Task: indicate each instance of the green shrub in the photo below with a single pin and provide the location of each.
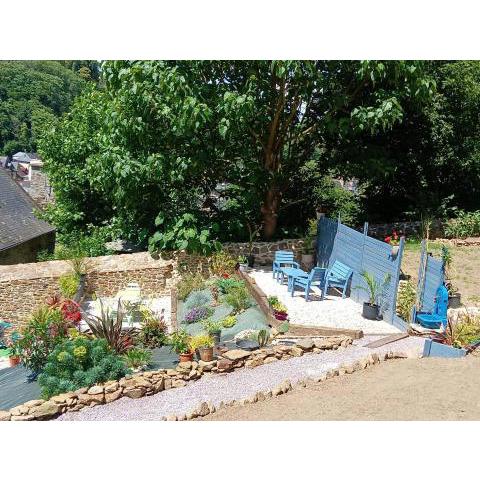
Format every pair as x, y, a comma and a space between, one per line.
80, 362
226, 284
68, 285
466, 224
238, 298
189, 283
406, 298
198, 298
153, 330
222, 263
229, 322
45, 329
137, 357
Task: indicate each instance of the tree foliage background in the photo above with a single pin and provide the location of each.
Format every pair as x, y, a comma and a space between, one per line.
181, 154
33, 94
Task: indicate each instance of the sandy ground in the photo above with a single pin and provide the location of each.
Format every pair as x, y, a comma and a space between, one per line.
466, 263
332, 312
425, 389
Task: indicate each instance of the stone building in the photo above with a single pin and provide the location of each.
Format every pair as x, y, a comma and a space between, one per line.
22, 234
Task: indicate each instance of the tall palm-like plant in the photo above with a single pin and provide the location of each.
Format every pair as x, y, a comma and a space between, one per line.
108, 325
373, 287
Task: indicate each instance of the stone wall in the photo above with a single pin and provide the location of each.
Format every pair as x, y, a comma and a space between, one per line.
25, 287
408, 229
265, 251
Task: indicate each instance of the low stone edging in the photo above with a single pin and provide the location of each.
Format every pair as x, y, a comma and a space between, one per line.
207, 408
152, 382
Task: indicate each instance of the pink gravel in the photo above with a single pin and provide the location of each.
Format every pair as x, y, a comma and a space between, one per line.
237, 385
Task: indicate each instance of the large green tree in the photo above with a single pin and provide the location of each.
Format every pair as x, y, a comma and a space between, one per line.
172, 150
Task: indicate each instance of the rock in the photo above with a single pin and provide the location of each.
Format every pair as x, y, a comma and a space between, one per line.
278, 390
112, 396
193, 375
181, 418
91, 400
301, 384
182, 366
81, 391
207, 366
224, 365
134, 392
46, 410
111, 387
190, 416
202, 410
5, 416
63, 398
296, 352
305, 344
36, 403
261, 397
253, 398
171, 418
286, 386
254, 362
95, 390
167, 383
270, 360
159, 385
236, 355
22, 418
332, 373
171, 372
211, 407
316, 350
19, 410
178, 383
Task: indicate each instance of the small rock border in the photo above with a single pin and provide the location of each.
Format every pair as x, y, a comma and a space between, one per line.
152, 382
207, 408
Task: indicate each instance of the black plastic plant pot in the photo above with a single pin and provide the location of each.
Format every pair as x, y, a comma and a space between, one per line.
216, 337
454, 300
251, 260
370, 311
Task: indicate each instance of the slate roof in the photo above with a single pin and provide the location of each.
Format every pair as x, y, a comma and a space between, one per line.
18, 224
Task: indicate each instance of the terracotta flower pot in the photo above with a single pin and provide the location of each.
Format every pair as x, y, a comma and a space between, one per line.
13, 361
185, 357
206, 354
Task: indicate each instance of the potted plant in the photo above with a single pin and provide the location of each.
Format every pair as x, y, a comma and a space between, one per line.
308, 245
252, 234
454, 296
242, 263
213, 328
203, 345
14, 357
394, 241
279, 309
179, 342
374, 289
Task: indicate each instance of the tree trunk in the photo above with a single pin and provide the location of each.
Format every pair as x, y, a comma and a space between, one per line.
270, 212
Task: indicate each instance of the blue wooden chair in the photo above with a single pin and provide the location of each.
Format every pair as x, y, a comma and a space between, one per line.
315, 278
282, 259
438, 316
337, 276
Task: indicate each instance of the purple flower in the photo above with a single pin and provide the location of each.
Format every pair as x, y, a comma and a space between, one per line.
196, 314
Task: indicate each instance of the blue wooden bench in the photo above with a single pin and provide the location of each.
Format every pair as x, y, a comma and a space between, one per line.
437, 317
337, 276
283, 258
315, 278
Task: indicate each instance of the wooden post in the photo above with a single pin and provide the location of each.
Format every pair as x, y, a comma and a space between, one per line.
396, 279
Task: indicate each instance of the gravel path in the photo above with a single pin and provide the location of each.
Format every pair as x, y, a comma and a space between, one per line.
237, 385
332, 312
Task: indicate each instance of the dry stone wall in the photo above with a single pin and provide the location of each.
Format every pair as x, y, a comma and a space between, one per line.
265, 251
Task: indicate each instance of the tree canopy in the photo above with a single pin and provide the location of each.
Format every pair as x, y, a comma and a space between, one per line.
33, 94
184, 153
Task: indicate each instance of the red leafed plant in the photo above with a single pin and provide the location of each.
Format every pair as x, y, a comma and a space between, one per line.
71, 311
393, 239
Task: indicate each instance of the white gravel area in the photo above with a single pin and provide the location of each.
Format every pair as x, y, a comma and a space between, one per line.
332, 312
4, 363
237, 385
156, 304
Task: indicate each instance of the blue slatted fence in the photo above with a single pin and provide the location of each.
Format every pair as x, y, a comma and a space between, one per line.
360, 252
